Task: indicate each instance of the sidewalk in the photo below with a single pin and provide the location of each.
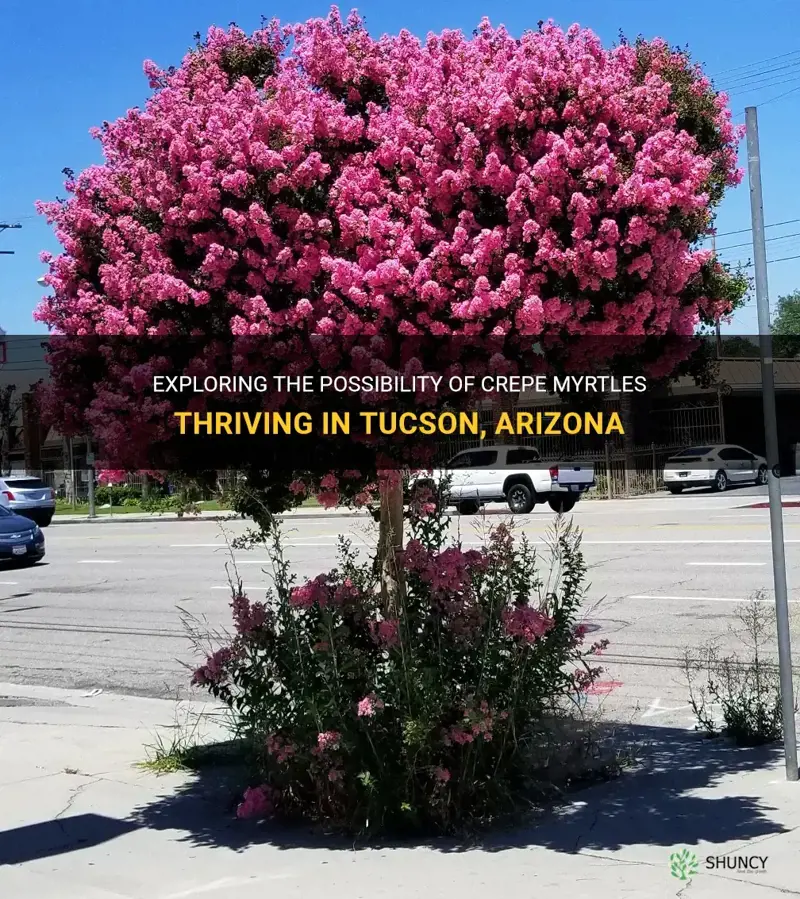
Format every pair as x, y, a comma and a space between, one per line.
77, 821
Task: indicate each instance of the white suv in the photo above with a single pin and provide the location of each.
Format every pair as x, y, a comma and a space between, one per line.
715, 467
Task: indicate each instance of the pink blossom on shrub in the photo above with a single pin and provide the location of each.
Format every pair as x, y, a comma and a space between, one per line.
385, 633
328, 498
258, 802
247, 616
214, 672
458, 736
280, 748
416, 557
328, 740
346, 592
317, 591
442, 775
369, 705
298, 487
527, 623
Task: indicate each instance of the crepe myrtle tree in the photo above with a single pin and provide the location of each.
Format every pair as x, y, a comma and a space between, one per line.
311, 181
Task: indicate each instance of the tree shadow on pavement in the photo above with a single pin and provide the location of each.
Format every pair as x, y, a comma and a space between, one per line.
684, 790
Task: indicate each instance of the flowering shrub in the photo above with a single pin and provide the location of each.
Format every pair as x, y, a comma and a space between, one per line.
427, 714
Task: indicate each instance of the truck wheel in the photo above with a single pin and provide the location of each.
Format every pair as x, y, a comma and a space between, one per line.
520, 499
468, 507
675, 490
562, 504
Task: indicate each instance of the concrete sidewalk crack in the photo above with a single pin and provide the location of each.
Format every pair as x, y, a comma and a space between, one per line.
591, 828
74, 794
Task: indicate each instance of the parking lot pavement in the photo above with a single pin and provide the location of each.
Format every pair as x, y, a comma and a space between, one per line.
105, 608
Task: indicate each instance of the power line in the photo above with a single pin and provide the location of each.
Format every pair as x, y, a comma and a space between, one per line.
780, 96
734, 246
747, 230
764, 84
751, 65
770, 71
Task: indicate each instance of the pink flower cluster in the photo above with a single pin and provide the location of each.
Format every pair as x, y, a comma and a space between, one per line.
458, 183
321, 592
386, 632
258, 802
328, 740
317, 591
369, 705
526, 623
280, 748
247, 616
214, 672
448, 572
478, 721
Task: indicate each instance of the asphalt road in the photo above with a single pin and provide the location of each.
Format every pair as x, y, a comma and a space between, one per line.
666, 573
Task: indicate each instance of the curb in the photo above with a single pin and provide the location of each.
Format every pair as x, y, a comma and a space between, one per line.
142, 519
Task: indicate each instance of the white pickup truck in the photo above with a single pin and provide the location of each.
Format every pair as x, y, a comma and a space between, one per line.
512, 474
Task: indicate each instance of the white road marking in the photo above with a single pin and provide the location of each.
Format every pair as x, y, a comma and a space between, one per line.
676, 542
727, 564
245, 587
97, 562
703, 598
203, 545
657, 709
9, 583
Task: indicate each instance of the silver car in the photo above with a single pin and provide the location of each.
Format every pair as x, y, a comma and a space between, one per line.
714, 466
29, 497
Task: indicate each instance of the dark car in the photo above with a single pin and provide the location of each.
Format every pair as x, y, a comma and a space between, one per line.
21, 540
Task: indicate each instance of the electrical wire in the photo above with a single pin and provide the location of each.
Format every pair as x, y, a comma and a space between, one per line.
768, 72
751, 65
734, 246
747, 230
763, 85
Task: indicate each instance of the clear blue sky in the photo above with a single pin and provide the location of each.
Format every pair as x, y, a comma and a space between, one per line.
69, 66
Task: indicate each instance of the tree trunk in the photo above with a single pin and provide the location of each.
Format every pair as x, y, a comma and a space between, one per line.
390, 545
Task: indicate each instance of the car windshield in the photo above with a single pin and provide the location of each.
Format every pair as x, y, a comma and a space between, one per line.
25, 483
5, 513
694, 451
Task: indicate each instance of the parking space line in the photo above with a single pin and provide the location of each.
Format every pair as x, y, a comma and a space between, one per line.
244, 587
198, 545
97, 562
703, 598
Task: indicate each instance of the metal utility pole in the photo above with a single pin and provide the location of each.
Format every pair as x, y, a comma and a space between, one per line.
719, 332
771, 431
